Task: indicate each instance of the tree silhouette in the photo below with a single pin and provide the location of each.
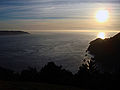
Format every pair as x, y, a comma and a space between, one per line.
53, 73
29, 74
6, 74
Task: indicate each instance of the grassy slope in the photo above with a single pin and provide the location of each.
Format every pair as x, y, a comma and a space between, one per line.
8, 85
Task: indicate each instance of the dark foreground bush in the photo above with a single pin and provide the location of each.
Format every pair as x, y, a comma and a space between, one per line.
6, 74
53, 73
88, 76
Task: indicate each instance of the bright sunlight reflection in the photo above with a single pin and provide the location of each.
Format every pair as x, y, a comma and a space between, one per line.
102, 15
101, 35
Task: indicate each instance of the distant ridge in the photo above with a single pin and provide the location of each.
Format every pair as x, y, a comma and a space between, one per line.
12, 32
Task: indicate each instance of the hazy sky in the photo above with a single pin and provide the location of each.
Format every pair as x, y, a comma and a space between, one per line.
57, 14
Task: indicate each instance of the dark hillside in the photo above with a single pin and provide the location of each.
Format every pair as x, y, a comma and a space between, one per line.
106, 52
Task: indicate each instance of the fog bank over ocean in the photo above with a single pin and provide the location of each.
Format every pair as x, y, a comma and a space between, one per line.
64, 48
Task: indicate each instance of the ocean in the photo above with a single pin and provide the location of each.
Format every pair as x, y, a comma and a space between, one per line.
18, 52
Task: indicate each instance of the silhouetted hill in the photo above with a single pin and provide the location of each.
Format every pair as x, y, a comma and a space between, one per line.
12, 32
106, 52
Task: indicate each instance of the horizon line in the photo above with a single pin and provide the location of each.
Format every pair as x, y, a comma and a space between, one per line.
62, 30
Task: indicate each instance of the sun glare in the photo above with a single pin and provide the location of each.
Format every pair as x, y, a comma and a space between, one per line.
102, 15
101, 35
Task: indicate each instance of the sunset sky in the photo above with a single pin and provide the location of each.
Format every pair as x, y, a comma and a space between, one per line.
58, 14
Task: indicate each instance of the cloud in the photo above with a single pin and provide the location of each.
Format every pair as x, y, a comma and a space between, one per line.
13, 9
31, 11
56, 24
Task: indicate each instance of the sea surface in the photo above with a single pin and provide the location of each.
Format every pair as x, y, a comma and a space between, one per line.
18, 52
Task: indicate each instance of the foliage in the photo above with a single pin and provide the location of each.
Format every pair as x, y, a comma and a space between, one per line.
88, 76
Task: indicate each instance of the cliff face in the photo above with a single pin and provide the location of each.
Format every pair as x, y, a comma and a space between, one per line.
106, 52
12, 32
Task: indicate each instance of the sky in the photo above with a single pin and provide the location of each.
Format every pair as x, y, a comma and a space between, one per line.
57, 14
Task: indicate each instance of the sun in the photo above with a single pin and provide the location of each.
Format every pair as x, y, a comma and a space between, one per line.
101, 35
102, 15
